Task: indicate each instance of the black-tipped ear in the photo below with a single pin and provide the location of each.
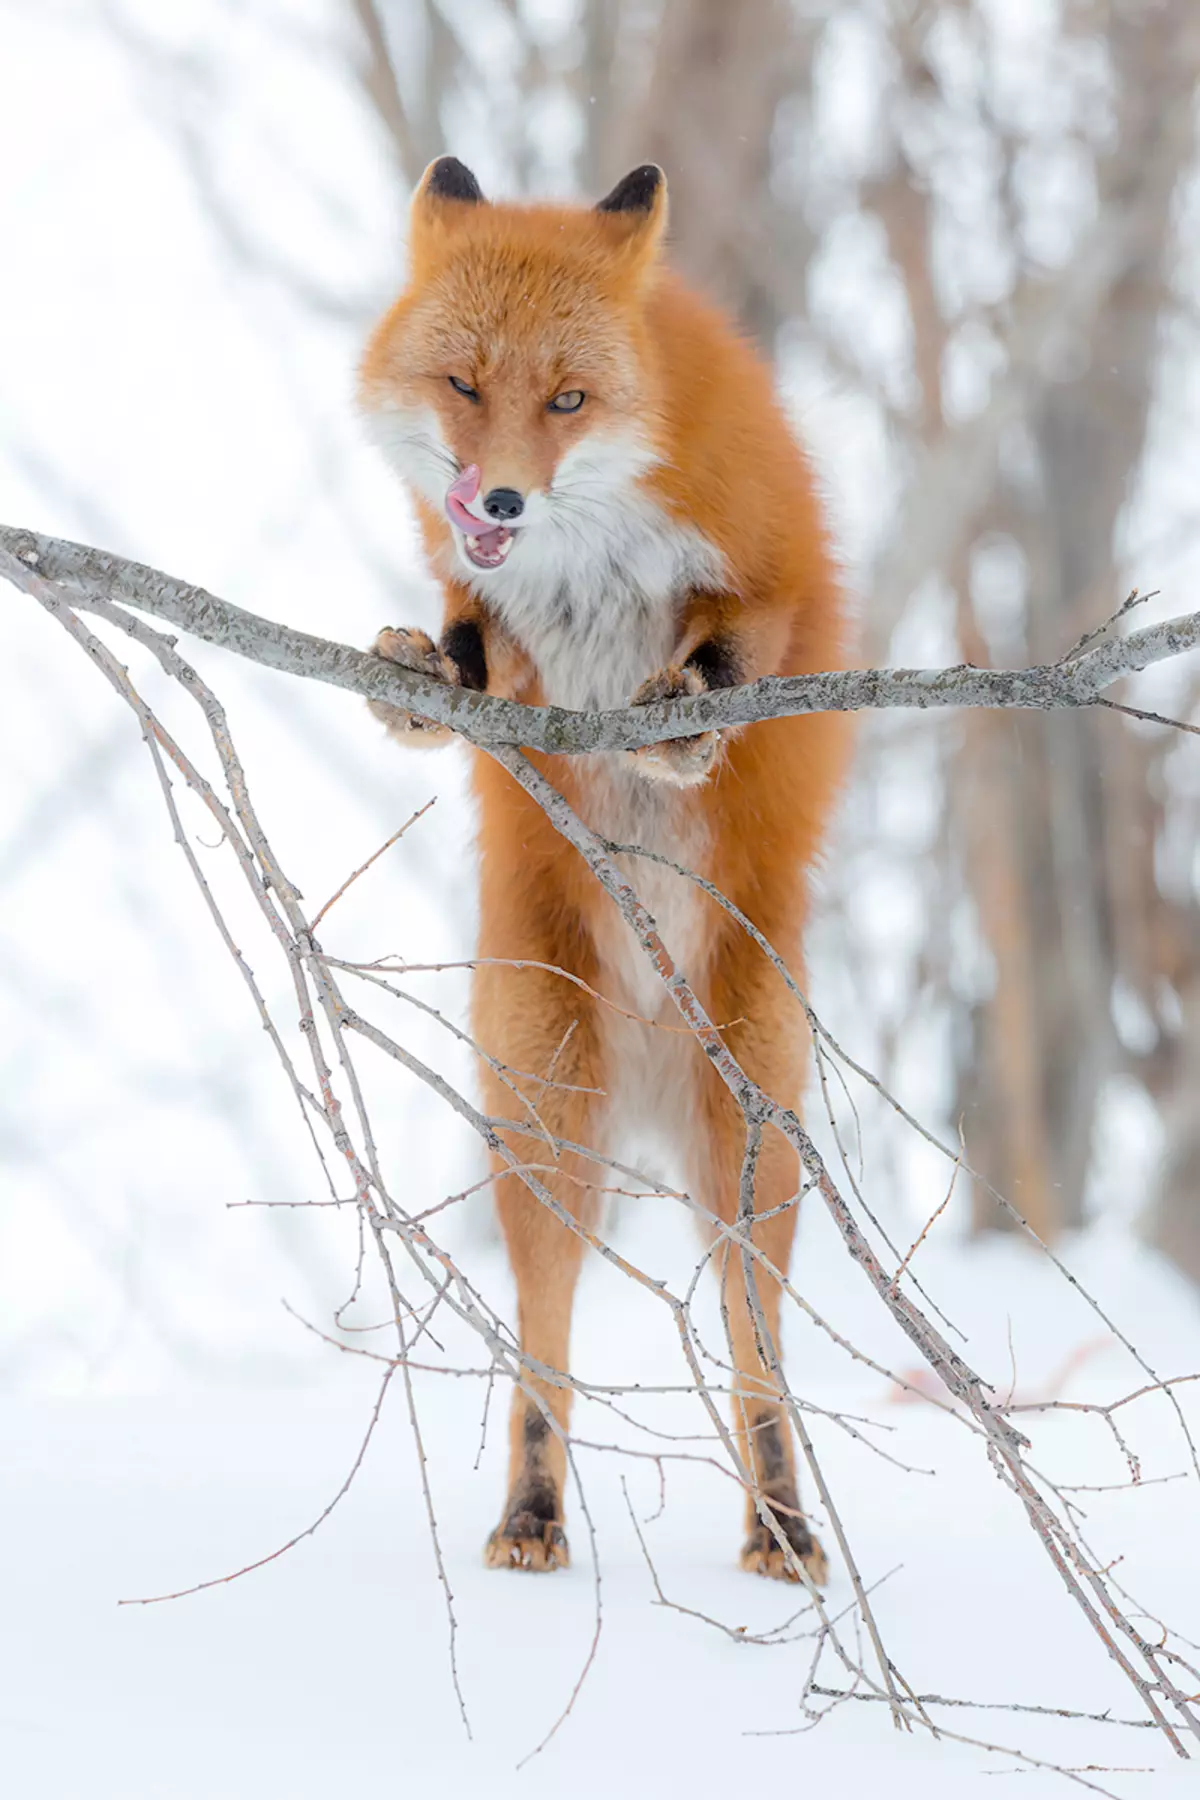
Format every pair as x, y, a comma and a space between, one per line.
635, 192
442, 207
449, 179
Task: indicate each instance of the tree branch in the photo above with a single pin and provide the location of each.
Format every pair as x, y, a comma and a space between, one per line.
491, 722
1153, 1668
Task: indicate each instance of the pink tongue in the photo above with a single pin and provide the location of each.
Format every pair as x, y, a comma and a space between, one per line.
459, 495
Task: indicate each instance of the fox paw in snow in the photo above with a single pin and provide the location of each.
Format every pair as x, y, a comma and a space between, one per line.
762, 1555
525, 1542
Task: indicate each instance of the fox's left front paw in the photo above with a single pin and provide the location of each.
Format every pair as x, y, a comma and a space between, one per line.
682, 761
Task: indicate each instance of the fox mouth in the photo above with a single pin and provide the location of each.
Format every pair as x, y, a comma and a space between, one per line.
490, 548
484, 543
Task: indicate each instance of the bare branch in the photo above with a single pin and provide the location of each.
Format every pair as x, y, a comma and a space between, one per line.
93, 580
488, 721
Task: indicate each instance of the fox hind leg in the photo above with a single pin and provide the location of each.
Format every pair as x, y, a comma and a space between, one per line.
762, 1427
534, 1021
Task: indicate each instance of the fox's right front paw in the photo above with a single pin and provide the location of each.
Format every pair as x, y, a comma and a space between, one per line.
417, 651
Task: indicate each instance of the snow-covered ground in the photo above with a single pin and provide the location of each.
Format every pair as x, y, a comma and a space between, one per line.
163, 1420
328, 1669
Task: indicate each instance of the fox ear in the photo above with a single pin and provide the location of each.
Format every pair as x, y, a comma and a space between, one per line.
638, 207
449, 179
446, 195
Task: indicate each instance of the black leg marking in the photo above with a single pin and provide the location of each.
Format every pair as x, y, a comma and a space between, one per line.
767, 1450
535, 1502
717, 662
762, 1542
537, 1430
531, 1534
463, 644
777, 1487
533, 1508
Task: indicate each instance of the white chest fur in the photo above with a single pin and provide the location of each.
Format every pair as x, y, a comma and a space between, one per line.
593, 587
593, 593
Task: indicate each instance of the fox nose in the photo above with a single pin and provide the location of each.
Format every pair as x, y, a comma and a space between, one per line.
503, 504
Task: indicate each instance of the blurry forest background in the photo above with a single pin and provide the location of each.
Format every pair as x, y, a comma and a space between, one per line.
965, 231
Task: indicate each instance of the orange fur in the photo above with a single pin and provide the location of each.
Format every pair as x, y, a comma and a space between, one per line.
522, 304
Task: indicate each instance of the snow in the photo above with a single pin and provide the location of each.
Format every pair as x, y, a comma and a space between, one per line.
327, 1670
164, 1421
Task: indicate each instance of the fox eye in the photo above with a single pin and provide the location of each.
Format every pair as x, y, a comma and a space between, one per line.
571, 401
463, 387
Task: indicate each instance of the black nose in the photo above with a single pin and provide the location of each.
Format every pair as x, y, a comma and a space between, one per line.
503, 503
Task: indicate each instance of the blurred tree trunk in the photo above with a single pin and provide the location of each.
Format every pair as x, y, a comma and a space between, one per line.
1157, 881
1045, 1047
718, 76
1175, 1225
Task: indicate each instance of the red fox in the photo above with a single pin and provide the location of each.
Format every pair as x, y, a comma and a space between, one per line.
618, 513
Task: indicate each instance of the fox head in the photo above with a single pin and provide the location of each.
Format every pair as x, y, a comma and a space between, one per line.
510, 384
